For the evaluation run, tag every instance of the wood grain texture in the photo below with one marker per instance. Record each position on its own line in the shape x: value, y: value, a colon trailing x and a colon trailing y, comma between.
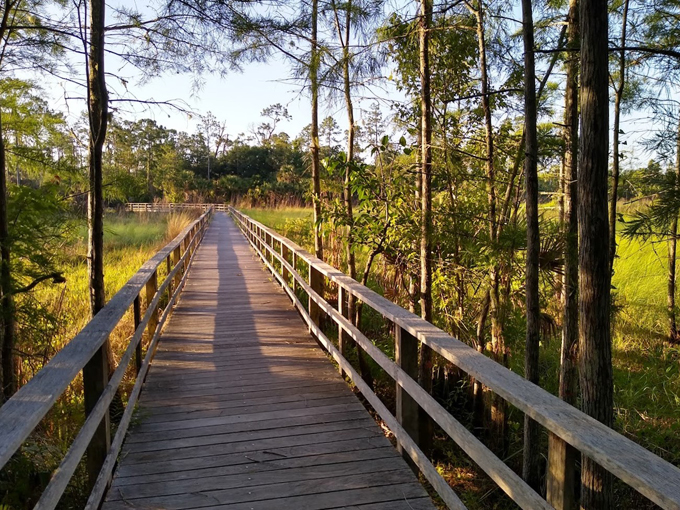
x: 241, y: 409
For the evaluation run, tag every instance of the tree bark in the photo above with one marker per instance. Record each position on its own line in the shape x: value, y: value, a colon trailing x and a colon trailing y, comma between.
x: 595, y: 365
x: 616, y: 159
x: 7, y: 368
x: 531, y: 459
x: 97, y: 370
x: 498, y: 406
x: 425, y: 367
x: 7, y: 361
x: 314, y: 146
x: 98, y: 118
x: 351, y: 133
x: 568, y: 357
x: 673, y: 336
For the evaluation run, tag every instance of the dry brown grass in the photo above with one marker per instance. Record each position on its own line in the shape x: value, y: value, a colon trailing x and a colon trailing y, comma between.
x: 177, y: 222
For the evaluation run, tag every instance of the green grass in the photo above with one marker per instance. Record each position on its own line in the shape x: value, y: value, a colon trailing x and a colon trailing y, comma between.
x: 294, y: 223
x: 279, y: 219
x: 646, y: 366
x: 124, y: 230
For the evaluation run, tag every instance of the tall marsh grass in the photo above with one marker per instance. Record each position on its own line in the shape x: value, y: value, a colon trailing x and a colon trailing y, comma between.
x: 130, y: 240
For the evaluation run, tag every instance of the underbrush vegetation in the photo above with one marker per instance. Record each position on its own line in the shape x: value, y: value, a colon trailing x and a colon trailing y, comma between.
x: 646, y: 365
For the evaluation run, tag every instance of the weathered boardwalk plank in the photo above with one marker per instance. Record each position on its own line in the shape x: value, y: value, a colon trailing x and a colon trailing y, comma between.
x: 242, y: 409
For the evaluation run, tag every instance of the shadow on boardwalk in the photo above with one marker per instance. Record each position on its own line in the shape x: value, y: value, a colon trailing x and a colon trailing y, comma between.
x: 242, y: 409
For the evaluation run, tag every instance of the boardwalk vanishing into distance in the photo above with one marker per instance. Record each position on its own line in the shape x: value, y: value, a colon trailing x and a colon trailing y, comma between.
x: 241, y: 408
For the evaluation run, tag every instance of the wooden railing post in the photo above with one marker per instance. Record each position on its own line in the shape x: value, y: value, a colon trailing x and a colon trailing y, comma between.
x: 316, y: 283
x: 285, y: 255
x: 168, y: 268
x: 176, y: 257
x: 151, y: 288
x: 561, y: 475
x: 294, y: 264
x: 343, y: 308
x: 137, y: 313
x: 95, y: 379
x: 406, y: 356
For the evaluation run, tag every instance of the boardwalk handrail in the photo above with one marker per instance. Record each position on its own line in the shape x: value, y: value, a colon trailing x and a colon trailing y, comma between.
x: 21, y: 414
x: 647, y: 473
x: 170, y: 207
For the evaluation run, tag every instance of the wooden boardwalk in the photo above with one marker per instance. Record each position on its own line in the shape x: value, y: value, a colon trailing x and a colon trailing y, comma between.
x: 242, y: 410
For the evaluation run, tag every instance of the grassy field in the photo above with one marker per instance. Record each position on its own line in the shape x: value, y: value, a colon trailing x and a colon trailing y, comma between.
x: 646, y: 366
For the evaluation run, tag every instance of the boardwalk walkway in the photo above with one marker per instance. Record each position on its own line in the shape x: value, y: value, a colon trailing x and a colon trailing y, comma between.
x: 242, y: 410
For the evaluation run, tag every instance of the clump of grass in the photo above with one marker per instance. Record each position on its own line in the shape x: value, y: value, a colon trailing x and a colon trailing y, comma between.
x: 280, y: 217
x: 177, y: 222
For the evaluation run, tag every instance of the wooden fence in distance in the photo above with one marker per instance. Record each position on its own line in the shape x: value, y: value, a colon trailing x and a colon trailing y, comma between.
x: 164, y: 207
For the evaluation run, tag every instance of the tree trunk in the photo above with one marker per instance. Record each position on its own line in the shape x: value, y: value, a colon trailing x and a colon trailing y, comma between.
x: 7, y: 369
x: 672, y: 249
x: 96, y: 372
x: 7, y: 365
x: 98, y: 118
x: 425, y: 367
x: 531, y: 459
x: 595, y: 361
x: 498, y: 406
x: 616, y: 160
x: 673, y: 336
x: 314, y: 146
x: 568, y: 357
x: 351, y: 132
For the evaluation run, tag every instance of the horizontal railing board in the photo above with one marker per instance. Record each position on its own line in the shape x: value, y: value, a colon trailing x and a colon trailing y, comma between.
x: 511, y: 483
x: 649, y: 474
x: 104, y: 478
x: 407, y: 443
x: 22, y: 413
x: 62, y: 476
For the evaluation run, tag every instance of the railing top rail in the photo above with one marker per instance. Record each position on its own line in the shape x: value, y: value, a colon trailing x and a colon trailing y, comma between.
x: 20, y: 414
x: 649, y: 474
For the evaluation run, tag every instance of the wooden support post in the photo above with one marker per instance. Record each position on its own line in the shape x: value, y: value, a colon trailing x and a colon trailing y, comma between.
x: 268, y: 243
x: 316, y: 283
x: 137, y: 313
x: 343, y: 337
x: 192, y: 234
x: 294, y: 264
x: 406, y: 356
x: 176, y: 257
x: 561, y: 476
x: 168, y: 268
x: 285, y: 254
x: 95, y: 379
x: 151, y: 288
